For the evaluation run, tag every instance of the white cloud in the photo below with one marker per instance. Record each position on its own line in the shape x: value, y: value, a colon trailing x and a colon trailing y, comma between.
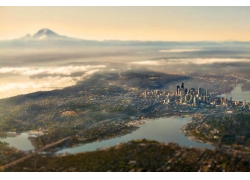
x: 41, y: 84
x: 178, y: 50
x: 204, y: 61
x: 198, y: 61
x: 155, y: 63
x: 67, y: 70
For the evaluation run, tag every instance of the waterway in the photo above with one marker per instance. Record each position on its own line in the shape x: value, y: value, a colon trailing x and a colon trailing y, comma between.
x: 237, y: 94
x: 161, y: 129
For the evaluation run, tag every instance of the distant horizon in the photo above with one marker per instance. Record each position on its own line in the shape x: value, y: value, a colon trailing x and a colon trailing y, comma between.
x: 69, y: 36
x: 130, y: 23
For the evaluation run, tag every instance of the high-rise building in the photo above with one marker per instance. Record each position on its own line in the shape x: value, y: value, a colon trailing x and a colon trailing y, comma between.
x: 178, y: 90
x: 181, y: 100
x: 186, y: 91
x: 192, y: 91
x: 199, y: 91
x: 182, y: 85
x: 194, y: 101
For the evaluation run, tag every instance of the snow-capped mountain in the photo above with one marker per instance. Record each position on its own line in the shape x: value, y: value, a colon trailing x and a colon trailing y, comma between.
x: 44, y: 34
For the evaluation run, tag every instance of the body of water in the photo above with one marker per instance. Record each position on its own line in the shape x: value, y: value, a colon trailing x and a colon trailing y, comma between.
x: 20, y: 142
x: 162, y: 129
x: 237, y: 94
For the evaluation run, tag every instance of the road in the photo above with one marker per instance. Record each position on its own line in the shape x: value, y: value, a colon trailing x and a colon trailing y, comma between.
x: 32, y: 154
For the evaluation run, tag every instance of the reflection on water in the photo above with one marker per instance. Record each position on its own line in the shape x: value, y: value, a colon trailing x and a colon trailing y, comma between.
x: 20, y: 142
x: 237, y: 94
x: 163, y: 130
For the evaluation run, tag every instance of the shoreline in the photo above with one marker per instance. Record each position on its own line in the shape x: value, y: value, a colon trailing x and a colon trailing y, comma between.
x: 190, y: 136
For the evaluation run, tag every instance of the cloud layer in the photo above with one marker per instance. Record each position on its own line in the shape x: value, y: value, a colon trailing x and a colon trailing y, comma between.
x: 178, y: 50
x: 67, y: 70
x: 38, y: 79
x: 197, y: 61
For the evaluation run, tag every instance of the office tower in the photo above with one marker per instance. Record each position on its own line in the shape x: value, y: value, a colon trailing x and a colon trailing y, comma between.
x: 197, y: 99
x: 199, y: 91
x: 182, y: 85
x: 204, y: 98
x: 206, y: 94
x: 192, y: 90
x: 194, y: 102
x: 191, y: 99
x: 178, y: 90
x: 186, y: 91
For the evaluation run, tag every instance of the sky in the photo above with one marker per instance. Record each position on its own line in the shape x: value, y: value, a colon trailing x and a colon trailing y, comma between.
x: 130, y: 23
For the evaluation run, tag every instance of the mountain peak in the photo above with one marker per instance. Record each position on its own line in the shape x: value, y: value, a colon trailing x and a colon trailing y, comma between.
x: 44, y: 34
x: 45, y: 31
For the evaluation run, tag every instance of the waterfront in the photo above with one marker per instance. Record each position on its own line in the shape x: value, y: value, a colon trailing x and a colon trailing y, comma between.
x: 161, y: 129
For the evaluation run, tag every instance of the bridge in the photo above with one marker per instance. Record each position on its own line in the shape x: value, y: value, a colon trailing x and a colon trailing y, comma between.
x: 32, y: 154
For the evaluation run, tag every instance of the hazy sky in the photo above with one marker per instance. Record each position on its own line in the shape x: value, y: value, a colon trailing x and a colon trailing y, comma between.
x: 130, y: 23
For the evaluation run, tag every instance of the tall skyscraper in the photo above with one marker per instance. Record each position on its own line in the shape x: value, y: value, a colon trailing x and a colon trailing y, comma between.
x: 206, y: 100
x: 186, y: 91
x: 182, y: 85
x: 194, y: 101
x: 186, y: 98
x: 178, y: 90
x: 199, y: 91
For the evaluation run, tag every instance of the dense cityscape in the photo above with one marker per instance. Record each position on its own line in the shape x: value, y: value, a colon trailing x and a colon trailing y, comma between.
x: 139, y: 106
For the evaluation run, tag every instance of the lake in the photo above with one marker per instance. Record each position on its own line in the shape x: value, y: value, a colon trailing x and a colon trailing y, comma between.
x: 237, y: 94
x: 20, y: 142
x: 161, y: 129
